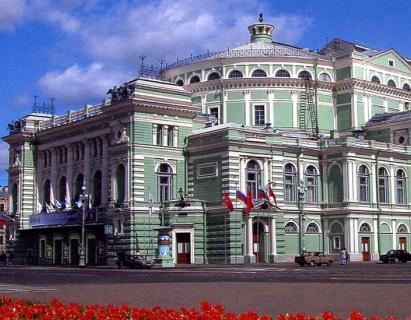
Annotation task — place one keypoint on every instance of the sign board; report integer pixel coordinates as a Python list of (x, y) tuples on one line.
[(108, 229)]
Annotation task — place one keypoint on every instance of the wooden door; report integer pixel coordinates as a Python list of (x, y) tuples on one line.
[(74, 252), (403, 243), (58, 251), (365, 245), (183, 248), (258, 242)]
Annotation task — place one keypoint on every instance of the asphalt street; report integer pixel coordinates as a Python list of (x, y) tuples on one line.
[(372, 288)]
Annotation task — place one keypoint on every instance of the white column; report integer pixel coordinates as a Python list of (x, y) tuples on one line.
[(203, 104), (391, 185), (354, 182), (69, 173), (335, 111), (265, 173), (352, 237), (113, 182), (373, 180), (247, 97), (127, 183), (346, 233), (345, 181), (394, 234), (376, 237), (155, 134), (385, 103), (294, 100), (105, 173), (165, 135), (242, 174), (175, 137), (273, 245), (326, 237), (86, 165), (354, 117), (355, 235), (53, 176), (224, 111), (271, 106), (325, 182), (250, 236)]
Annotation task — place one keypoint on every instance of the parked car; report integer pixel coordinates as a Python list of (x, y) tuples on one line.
[(133, 261), (396, 256), (313, 259)]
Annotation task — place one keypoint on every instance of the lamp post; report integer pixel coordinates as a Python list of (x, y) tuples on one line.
[(301, 199), (82, 260)]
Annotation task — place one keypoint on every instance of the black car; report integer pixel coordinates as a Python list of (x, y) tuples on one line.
[(133, 261), (396, 256)]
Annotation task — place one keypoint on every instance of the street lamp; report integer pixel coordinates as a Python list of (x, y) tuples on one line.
[(83, 198), (301, 198)]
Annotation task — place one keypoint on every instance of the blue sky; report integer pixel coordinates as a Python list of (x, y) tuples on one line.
[(75, 50)]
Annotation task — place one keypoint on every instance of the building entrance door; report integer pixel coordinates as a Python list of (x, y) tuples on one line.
[(365, 244), (58, 251), (403, 243), (258, 242), (91, 252), (74, 254), (183, 248)]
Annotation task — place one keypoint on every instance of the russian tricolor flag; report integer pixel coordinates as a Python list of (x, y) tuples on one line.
[(262, 194), (241, 196)]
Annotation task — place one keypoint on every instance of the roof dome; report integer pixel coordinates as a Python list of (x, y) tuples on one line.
[(261, 32)]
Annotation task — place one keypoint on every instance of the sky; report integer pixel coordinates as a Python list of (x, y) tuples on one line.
[(75, 50)]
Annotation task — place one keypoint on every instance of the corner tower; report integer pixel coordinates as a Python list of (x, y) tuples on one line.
[(261, 32)]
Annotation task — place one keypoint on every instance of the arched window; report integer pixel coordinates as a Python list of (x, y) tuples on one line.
[(214, 76), (311, 184), (120, 184), (258, 73), (312, 228), (401, 187), (375, 79), (195, 79), (253, 178), (406, 86), (282, 73), (62, 189), (291, 227), (304, 75), (365, 228), (164, 182), (290, 187), (382, 185), (364, 182), (324, 77), (235, 74), (14, 199), (402, 228), (97, 179), (79, 185), (391, 83), (180, 82), (46, 191), (93, 148)]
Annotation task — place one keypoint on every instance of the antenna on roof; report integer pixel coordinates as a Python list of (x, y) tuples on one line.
[(142, 57), (35, 104), (52, 108), (260, 18)]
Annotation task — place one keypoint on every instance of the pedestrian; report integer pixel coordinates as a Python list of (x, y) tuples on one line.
[(11, 257), (344, 256), (3, 259)]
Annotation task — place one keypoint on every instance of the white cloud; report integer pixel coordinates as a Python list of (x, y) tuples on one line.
[(11, 13), (66, 22), (77, 85), (4, 156)]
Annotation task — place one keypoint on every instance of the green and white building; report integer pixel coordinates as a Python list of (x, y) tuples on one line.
[(329, 131)]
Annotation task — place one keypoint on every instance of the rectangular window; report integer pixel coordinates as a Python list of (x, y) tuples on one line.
[(259, 115), (159, 135), (214, 112), (311, 193), (336, 243), (170, 136), (390, 62), (207, 170), (364, 195), (1, 207)]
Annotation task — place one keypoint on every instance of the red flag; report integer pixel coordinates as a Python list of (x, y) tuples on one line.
[(272, 194), (228, 203), (249, 204)]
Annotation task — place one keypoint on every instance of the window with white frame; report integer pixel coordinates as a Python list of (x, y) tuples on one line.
[(159, 135), (253, 177), (207, 170), (290, 227), (324, 77), (365, 228), (311, 184), (312, 228), (382, 185), (164, 182), (364, 182), (259, 115), (391, 83), (304, 75), (170, 136), (290, 187), (259, 73), (391, 63), (214, 111), (282, 73), (375, 79), (400, 185), (402, 228)]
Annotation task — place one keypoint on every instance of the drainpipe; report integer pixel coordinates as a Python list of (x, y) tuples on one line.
[(185, 154), (378, 204), (203, 205)]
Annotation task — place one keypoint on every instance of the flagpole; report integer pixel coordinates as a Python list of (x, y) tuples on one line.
[(237, 222)]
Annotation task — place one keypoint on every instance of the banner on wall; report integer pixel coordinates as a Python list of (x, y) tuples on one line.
[(62, 218)]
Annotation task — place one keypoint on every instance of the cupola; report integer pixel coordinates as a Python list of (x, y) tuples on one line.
[(261, 32)]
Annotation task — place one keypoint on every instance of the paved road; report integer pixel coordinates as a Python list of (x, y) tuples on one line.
[(369, 287)]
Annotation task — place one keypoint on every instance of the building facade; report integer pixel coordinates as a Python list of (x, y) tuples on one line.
[(327, 131)]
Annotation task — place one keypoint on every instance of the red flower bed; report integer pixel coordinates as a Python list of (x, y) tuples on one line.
[(55, 310)]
